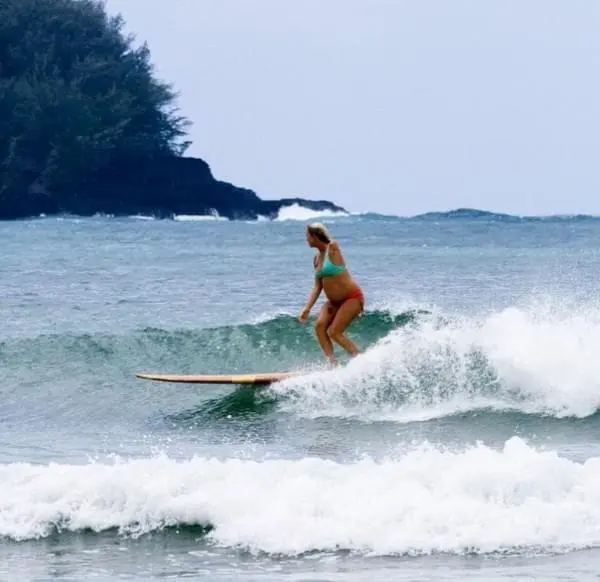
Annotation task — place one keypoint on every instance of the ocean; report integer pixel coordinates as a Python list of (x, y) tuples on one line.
[(462, 444)]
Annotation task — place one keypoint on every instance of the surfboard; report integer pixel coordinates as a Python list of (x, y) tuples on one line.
[(219, 378)]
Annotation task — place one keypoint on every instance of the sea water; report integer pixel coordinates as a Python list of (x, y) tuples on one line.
[(463, 444)]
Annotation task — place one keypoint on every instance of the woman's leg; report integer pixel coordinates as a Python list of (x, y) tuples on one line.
[(325, 317), (350, 309)]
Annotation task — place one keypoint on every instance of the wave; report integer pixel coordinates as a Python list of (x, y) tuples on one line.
[(56, 375), (535, 362), (477, 214), (416, 365), (298, 212), (237, 348), (509, 500), (214, 215)]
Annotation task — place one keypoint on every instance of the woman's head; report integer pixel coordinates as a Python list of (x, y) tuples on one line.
[(317, 234)]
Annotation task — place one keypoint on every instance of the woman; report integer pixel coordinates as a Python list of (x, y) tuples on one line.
[(345, 298)]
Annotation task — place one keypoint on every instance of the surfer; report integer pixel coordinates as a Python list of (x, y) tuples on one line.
[(345, 299)]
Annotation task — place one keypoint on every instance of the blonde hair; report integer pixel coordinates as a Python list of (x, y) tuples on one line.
[(320, 231)]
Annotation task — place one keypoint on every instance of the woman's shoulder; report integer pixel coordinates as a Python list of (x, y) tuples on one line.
[(333, 246)]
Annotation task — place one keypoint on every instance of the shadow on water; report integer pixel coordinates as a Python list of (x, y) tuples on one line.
[(243, 404), (62, 541)]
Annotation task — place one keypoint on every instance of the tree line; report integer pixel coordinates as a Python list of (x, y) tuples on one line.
[(77, 97)]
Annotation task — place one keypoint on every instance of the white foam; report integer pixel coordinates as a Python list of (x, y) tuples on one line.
[(214, 215), (259, 218), (424, 500), (268, 316), (297, 212), (534, 361)]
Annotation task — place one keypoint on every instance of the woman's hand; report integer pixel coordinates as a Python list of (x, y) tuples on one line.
[(304, 314)]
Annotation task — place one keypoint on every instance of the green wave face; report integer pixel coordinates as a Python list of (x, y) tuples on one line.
[(414, 366)]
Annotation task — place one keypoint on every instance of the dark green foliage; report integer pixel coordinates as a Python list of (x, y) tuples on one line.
[(86, 128), (76, 98)]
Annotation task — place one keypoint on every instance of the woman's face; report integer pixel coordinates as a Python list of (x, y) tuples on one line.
[(310, 238)]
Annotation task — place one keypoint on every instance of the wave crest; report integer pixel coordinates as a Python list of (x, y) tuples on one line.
[(422, 501)]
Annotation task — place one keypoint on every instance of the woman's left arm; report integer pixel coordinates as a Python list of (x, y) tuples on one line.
[(335, 253)]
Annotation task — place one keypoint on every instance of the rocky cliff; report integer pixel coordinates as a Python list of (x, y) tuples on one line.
[(161, 187)]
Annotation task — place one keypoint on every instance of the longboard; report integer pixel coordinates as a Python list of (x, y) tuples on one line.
[(219, 378)]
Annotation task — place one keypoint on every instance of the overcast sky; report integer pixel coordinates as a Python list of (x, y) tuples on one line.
[(388, 105)]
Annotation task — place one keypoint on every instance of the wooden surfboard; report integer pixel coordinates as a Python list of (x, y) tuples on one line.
[(219, 378)]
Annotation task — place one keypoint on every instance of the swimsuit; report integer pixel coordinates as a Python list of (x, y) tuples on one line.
[(329, 270), (355, 293)]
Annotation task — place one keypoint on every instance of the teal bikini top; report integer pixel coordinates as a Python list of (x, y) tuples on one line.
[(329, 269)]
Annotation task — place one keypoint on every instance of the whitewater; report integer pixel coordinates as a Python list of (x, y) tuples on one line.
[(464, 442)]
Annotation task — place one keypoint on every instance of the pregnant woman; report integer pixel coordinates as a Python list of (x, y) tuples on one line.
[(345, 299)]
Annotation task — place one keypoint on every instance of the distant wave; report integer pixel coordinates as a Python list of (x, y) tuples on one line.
[(477, 214), (197, 217), (298, 212)]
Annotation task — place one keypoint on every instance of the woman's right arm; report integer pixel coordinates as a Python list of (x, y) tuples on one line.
[(312, 299), (314, 294)]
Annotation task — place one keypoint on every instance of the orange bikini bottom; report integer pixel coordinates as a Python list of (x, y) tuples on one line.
[(356, 293)]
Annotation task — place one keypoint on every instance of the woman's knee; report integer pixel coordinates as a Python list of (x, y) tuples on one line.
[(335, 332), (321, 327)]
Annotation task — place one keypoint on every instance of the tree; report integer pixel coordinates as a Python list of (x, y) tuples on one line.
[(76, 97)]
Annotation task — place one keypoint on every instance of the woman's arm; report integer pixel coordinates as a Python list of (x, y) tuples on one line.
[(335, 253), (312, 299), (314, 294)]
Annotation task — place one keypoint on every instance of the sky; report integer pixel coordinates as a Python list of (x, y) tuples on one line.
[(388, 106)]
